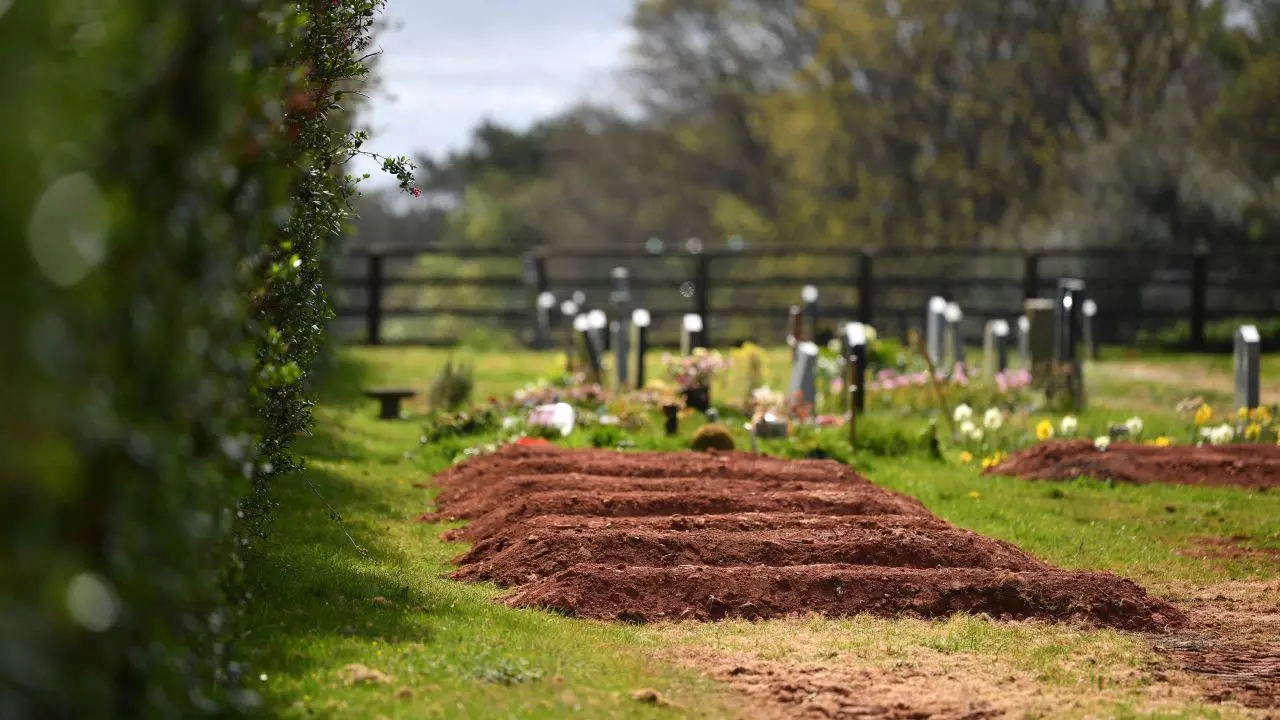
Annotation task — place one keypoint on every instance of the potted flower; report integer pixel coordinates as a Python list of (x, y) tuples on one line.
[(693, 374)]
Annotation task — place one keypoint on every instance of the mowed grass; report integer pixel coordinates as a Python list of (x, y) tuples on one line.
[(321, 604)]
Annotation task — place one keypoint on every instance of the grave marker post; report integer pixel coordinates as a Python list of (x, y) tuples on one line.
[(1024, 340), (1040, 313), (690, 330), (794, 329), (569, 309), (809, 294), (995, 347), (855, 353), (640, 336), (933, 325), (954, 340), (546, 302), (1248, 355), (582, 323), (597, 324), (804, 376), (1067, 329), (621, 351), (1088, 310)]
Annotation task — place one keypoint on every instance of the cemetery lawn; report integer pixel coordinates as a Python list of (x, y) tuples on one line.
[(321, 605)]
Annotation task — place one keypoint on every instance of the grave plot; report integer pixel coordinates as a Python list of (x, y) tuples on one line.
[(1254, 466), (647, 537)]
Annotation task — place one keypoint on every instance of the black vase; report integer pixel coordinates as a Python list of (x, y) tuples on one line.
[(698, 398), (672, 414)]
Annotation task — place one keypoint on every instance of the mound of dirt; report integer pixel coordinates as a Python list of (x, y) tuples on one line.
[(1251, 466), (646, 537)]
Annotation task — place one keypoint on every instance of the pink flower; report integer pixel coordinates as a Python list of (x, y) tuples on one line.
[(415, 192), (837, 385)]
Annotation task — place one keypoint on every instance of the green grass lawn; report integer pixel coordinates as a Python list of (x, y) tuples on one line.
[(321, 603)]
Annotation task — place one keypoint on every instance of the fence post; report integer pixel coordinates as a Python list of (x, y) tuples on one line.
[(702, 297), (373, 310), (1199, 293), (1030, 276), (866, 288)]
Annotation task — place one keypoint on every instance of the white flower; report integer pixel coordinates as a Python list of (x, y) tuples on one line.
[(993, 419), (1068, 425), (509, 422), (976, 434), (1134, 426), (1222, 434), (871, 333), (966, 428), (962, 413), (1102, 442), (834, 345)]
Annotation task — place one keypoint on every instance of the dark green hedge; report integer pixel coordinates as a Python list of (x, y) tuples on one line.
[(166, 196)]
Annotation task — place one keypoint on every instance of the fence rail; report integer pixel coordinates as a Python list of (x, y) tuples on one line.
[(1176, 296)]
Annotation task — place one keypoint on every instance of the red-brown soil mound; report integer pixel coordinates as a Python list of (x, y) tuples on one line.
[(1251, 466), (648, 536)]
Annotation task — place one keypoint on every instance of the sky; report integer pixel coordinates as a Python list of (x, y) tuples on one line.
[(448, 64)]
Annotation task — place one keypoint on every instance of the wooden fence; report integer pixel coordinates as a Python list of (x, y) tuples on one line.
[(436, 296)]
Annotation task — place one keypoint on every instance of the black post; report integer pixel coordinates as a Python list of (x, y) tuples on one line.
[(373, 311), (1199, 292), (866, 289), (1030, 276), (702, 299), (540, 280), (642, 347)]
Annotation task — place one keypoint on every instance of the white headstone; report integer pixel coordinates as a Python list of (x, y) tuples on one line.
[(933, 326), (954, 342), (690, 327), (1248, 352)]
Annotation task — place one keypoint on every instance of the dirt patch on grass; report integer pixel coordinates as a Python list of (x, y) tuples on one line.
[(1251, 466), (1232, 640), (694, 540), (1208, 547)]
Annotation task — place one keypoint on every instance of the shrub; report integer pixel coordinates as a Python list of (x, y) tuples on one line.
[(452, 386), (712, 437)]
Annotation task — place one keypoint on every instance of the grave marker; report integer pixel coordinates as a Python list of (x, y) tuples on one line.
[(794, 329), (546, 302), (640, 338), (1024, 340), (622, 352), (1040, 314), (804, 376), (933, 323), (1248, 351), (809, 294), (1066, 347), (597, 321), (621, 295), (582, 323), (954, 341), (569, 309), (690, 329), (1089, 309), (855, 353), (995, 347)]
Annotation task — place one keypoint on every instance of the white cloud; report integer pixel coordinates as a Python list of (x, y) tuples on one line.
[(448, 64)]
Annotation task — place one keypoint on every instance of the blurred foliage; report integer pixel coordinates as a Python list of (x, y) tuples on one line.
[(451, 388), (173, 177)]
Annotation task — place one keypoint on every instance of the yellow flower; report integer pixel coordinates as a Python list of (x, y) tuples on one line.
[(1242, 413), (1162, 441), (1204, 414), (1262, 415), (974, 494), (966, 457), (1252, 431), (1044, 430)]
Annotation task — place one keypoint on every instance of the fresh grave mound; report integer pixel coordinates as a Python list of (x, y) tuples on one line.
[(1251, 466), (647, 537)]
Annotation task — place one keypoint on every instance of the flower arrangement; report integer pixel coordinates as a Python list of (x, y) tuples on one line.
[(894, 388), (695, 371)]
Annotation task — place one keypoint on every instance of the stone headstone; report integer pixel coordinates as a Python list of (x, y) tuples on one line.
[(640, 339), (1248, 352), (1041, 317), (855, 353), (690, 329), (934, 322), (954, 340), (1069, 371), (804, 375), (995, 347), (591, 351)]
